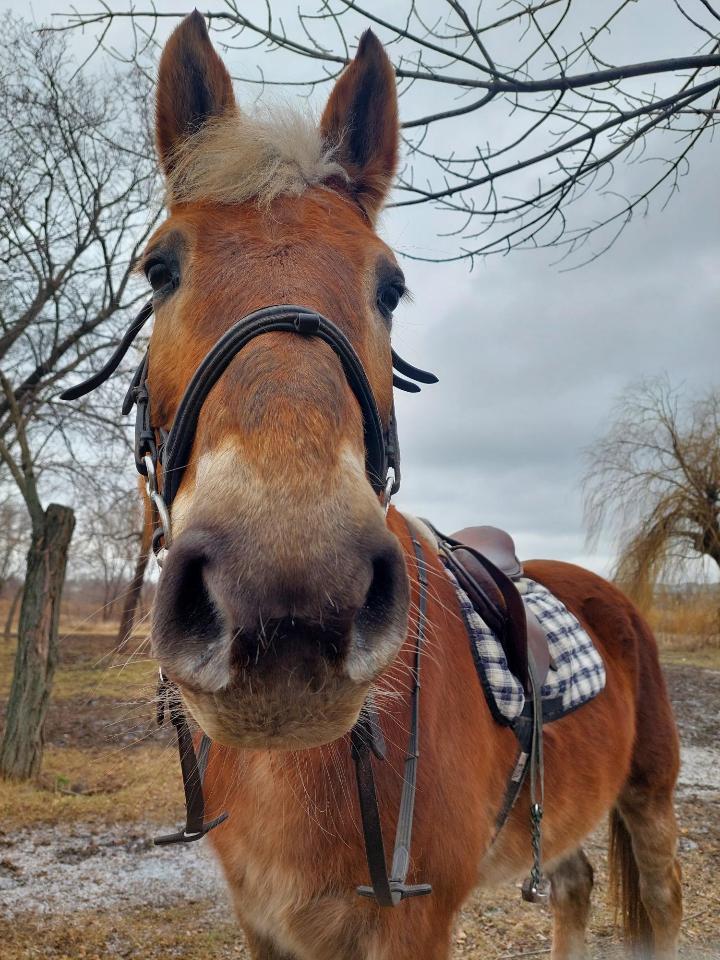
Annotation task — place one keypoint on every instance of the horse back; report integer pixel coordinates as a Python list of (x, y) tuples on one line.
[(630, 650)]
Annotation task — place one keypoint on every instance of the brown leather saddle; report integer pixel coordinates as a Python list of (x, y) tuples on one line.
[(484, 562)]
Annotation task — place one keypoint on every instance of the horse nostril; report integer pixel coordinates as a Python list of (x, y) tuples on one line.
[(194, 604), (184, 602), (216, 609), (381, 592)]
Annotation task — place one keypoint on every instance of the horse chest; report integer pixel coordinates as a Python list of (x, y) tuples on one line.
[(278, 873), (267, 898), (278, 906)]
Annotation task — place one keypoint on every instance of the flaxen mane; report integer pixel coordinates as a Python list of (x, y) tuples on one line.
[(232, 159)]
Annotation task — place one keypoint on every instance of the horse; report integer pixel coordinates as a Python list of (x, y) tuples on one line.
[(291, 591)]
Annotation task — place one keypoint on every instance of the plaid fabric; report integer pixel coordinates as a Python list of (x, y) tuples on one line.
[(579, 673)]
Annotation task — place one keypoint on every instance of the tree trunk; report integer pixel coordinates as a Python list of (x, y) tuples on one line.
[(37, 649), (11, 613), (132, 597)]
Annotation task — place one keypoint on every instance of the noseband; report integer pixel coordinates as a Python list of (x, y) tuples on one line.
[(172, 450)]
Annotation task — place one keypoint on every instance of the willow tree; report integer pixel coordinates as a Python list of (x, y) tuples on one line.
[(653, 481), (76, 204)]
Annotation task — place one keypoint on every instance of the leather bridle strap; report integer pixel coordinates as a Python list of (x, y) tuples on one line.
[(192, 766), (111, 365), (389, 890), (281, 319)]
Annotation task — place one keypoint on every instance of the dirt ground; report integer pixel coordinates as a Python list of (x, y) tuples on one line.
[(80, 878)]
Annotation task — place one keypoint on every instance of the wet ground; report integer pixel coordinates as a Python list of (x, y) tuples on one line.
[(99, 889)]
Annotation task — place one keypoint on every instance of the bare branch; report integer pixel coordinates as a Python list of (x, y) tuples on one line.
[(558, 107)]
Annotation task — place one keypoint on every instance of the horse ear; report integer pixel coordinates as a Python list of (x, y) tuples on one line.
[(193, 86), (360, 123)]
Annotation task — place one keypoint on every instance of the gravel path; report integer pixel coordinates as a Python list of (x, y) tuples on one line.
[(699, 771)]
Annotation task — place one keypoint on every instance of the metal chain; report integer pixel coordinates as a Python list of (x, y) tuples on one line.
[(536, 815), (537, 887)]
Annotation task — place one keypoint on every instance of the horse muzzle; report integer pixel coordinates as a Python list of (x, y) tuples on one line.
[(271, 652)]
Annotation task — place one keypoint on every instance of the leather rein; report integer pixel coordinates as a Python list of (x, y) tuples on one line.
[(171, 451)]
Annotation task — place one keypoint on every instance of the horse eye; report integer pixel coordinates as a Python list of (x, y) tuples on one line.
[(159, 275), (388, 298)]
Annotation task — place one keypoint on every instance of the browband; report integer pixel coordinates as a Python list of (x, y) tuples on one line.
[(111, 365)]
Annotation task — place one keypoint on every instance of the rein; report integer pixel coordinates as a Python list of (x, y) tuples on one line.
[(154, 448)]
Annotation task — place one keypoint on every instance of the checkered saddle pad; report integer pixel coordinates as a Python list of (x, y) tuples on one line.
[(577, 672)]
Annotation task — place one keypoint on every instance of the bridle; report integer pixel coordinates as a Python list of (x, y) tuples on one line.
[(171, 451)]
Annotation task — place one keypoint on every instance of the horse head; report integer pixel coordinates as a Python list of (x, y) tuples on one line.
[(285, 593)]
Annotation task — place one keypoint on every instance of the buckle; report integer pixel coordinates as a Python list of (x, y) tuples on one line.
[(307, 324), (399, 891)]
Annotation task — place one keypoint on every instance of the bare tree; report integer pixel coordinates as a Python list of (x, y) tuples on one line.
[(12, 610), (106, 545), (13, 538), (133, 593), (654, 480), (514, 112), (77, 193), (13, 545)]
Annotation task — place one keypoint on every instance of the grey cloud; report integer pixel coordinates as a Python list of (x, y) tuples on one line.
[(531, 360)]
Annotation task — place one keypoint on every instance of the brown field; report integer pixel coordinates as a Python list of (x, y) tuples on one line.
[(80, 879)]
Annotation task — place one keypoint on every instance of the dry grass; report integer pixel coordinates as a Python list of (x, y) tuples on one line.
[(93, 668), (687, 627), (118, 680), (96, 786), (189, 932), (83, 616), (689, 621), (99, 694)]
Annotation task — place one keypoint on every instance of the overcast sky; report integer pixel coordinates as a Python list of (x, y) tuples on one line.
[(530, 358)]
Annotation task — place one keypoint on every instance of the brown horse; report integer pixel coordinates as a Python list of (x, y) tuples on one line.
[(288, 594)]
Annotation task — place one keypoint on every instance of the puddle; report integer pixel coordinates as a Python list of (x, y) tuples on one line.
[(699, 769)]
